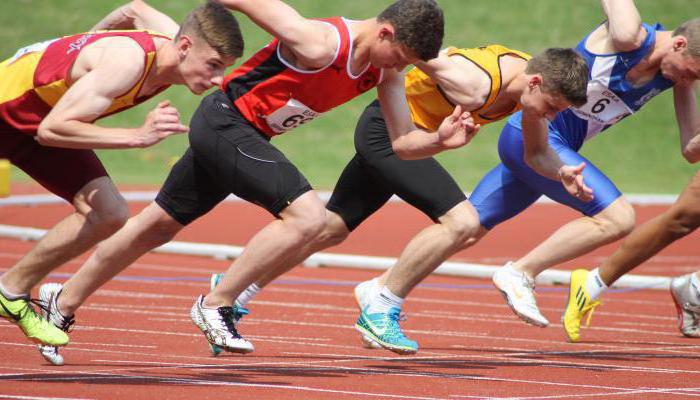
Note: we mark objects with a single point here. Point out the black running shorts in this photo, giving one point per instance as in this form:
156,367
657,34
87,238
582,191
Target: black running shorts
376,173
228,155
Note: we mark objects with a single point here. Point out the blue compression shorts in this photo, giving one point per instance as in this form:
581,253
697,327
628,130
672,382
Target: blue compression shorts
512,186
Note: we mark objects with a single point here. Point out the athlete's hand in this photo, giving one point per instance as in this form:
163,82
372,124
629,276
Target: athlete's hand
161,122
457,129
572,178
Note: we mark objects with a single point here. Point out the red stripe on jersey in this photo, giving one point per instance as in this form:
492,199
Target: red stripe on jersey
276,97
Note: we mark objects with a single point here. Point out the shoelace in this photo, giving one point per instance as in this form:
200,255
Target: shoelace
398,316
592,307
66,323
239,312
227,315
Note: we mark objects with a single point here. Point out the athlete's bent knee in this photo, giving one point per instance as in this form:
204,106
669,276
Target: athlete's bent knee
683,221
618,221
109,218
462,222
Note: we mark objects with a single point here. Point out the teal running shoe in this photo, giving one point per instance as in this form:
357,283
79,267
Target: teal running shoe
238,312
385,330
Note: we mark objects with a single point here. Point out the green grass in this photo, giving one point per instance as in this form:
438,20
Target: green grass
640,155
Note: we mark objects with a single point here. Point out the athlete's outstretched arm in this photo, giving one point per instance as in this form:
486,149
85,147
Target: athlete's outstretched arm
624,24
407,140
116,70
540,156
313,42
688,119
138,15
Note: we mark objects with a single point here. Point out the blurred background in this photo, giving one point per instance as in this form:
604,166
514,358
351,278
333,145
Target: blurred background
641,154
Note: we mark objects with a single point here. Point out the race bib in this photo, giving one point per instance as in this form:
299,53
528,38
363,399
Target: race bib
289,116
603,106
32,48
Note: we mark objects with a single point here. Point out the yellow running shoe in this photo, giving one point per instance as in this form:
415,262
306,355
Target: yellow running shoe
36,328
578,306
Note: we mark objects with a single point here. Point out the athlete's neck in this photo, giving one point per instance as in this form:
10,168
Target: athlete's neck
164,71
514,80
362,34
651,64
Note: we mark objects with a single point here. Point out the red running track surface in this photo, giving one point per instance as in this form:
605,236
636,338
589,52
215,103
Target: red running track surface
134,338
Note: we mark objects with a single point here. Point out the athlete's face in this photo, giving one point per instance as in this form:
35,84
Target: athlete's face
388,53
680,67
543,103
201,66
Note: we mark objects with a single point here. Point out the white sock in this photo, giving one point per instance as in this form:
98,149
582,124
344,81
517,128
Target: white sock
695,284
9,295
247,295
594,285
384,300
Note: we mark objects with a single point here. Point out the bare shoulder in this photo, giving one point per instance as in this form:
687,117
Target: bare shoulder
464,82
120,59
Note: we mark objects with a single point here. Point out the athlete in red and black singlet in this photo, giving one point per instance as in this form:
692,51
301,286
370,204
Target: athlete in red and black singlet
276,97
230,131
31,83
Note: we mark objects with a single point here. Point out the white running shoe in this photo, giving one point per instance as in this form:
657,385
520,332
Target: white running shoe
363,294
687,305
518,290
218,326
48,296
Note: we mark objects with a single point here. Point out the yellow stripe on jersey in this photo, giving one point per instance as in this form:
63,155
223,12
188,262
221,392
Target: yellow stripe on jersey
17,76
428,104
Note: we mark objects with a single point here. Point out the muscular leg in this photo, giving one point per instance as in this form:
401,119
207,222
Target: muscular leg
334,232
579,237
149,229
457,229
100,211
682,218
299,223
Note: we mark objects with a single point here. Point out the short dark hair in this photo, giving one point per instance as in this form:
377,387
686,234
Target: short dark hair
419,25
217,26
691,31
563,72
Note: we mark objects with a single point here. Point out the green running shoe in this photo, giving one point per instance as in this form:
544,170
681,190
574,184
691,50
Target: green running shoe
36,328
385,330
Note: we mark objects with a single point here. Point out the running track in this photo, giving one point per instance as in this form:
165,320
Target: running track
134,338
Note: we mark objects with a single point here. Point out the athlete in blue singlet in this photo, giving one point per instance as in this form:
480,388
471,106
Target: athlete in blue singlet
630,63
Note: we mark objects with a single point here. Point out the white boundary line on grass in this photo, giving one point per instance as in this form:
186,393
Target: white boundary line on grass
221,251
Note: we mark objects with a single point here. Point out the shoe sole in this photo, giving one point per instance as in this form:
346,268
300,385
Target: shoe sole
679,310
512,308
404,351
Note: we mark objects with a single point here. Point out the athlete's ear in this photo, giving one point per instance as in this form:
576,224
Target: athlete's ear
386,32
535,81
680,43
184,44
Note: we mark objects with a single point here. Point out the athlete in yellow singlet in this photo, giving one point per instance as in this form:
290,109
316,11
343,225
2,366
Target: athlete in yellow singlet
491,83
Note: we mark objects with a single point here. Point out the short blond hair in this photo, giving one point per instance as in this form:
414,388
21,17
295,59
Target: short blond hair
213,23
691,31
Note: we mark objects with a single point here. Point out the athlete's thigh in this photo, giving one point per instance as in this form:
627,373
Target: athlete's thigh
189,191
511,151
64,172
500,195
357,194
423,183
241,159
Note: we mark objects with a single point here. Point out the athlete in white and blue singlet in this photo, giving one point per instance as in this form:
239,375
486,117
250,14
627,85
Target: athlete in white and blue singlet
630,63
